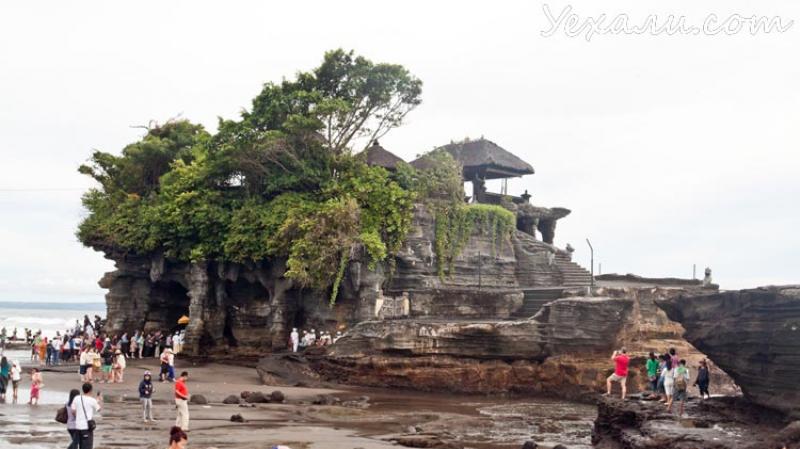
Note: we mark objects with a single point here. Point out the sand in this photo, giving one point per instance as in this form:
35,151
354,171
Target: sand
478,422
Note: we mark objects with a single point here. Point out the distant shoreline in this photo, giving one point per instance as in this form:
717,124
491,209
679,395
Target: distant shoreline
53,305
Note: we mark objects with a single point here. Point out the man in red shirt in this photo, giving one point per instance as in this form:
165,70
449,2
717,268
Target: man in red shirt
182,402
621,361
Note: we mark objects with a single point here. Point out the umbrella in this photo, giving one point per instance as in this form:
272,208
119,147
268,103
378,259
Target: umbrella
183,320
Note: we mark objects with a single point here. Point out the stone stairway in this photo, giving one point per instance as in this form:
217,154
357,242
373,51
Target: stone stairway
534,300
572,274
536,270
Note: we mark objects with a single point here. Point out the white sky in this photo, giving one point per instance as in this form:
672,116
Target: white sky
670,150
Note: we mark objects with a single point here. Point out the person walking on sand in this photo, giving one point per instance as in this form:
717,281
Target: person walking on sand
681,386
146,396
621,361
703,379
36,386
85,407
73,432
108,363
177,438
182,402
16,376
5,374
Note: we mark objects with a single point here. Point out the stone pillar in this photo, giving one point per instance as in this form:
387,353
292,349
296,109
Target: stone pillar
548,229
199,292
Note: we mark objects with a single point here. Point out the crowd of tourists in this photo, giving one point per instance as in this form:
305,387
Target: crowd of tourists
311,338
668,377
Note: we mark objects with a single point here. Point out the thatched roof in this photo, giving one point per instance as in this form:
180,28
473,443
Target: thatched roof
379,156
487,159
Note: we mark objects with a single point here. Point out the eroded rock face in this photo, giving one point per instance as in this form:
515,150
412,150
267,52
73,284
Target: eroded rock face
754,335
562,351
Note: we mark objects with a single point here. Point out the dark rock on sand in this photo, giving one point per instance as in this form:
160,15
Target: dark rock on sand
257,397
232,399
198,399
427,442
237,418
530,445
753,335
277,396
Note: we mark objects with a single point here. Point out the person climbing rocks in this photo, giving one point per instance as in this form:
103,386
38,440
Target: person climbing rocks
703,379
681,384
621,361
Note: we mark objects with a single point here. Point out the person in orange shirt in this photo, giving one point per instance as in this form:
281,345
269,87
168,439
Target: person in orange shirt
182,402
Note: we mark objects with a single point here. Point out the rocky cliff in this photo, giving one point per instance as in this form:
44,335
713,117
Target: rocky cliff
754,335
251,308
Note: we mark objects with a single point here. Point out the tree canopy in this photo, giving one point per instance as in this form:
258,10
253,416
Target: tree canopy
280,182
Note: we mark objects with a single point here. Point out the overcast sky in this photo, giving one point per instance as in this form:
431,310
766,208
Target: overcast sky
669,150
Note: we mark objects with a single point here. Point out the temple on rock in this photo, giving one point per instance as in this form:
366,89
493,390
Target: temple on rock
252,307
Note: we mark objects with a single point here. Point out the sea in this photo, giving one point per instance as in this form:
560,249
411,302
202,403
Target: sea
49,317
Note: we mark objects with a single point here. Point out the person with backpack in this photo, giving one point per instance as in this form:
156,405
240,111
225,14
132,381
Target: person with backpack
146,396
85,408
681,385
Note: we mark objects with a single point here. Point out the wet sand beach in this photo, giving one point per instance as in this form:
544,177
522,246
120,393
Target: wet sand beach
363,418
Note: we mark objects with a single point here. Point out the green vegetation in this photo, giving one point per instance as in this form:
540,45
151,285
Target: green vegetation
282,182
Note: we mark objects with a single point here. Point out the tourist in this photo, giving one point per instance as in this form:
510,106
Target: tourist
703,379
177,438
56,344
16,376
85,408
674,356
294,339
170,365
43,347
36,386
73,432
652,372
83,366
97,365
681,384
146,396
118,370
177,343
164,373
621,361
5,374
182,402
108,363
140,343
125,344
662,372
669,380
